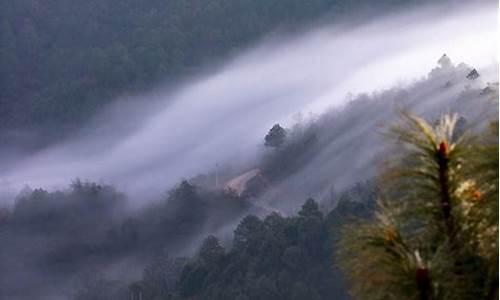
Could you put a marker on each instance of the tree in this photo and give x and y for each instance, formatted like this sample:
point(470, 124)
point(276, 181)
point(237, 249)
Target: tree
point(248, 231)
point(276, 136)
point(160, 278)
point(435, 231)
point(312, 232)
point(445, 61)
point(184, 210)
point(211, 252)
point(274, 258)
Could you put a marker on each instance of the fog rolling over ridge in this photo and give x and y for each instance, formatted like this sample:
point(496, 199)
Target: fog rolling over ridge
point(223, 116)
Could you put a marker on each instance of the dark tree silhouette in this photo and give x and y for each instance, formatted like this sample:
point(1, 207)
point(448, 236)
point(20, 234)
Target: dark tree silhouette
point(276, 136)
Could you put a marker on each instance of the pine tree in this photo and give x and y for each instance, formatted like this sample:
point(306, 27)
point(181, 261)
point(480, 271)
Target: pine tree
point(435, 231)
point(275, 137)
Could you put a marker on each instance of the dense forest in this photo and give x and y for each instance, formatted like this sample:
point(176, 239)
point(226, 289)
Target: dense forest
point(390, 193)
point(89, 240)
point(86, 230)
point(87, 227)
point(271, 258)
point(62, 61)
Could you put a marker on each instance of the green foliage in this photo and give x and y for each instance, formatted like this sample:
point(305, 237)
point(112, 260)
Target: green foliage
point(291, 150)
point(211, 252)
point(273, 258)
point(65, 233)
point(61, 212)
point(160, 277)
point(435, 231)
point(61, 61)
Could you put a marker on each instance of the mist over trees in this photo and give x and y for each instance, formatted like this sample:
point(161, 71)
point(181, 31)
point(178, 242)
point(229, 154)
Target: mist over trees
point(88, 228)
point(88, 244)
point(339, 147)
point(422, 237)
point(392, 194)
point(64, 61)
point(273, 257)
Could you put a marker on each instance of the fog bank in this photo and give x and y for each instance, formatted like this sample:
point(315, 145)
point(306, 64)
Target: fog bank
point(223, 116)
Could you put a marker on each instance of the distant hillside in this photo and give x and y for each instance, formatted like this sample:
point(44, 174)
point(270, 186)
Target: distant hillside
point(342, 146)
point(87, 228)
point(60, 61)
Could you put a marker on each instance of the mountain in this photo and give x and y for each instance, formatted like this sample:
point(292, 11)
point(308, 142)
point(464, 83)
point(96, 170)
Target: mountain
point(239, 149)
point(63, 61)
point(88, 229)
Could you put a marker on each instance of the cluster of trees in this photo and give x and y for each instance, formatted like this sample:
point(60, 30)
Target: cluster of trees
point(88, 227)
point(426, 229)
point(274, 257)
point(78, 234)
point(310, 157)
point(290, 150)
point(433, 235)
point(63, 60)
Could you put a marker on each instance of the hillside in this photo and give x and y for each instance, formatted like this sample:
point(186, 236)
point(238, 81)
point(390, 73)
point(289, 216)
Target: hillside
point(62, 61)
point(249, 150)
point(88, 228)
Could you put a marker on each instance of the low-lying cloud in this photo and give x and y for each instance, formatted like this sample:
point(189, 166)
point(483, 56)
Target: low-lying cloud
point(223, 116)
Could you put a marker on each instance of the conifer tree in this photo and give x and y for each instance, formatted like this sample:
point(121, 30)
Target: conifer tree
point(275, 137)
point(435, 232)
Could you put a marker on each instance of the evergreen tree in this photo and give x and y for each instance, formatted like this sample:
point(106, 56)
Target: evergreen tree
point(276, 136)
point(435, 231)
point(211, 252)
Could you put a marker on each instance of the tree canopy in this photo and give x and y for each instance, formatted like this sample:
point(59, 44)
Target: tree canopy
point(275, 137)
point(61, 61)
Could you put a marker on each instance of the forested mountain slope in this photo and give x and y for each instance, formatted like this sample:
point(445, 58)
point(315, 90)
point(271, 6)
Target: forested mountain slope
point(183, 194)
point(61, 61)
point(86, 229)
point(331, 151)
